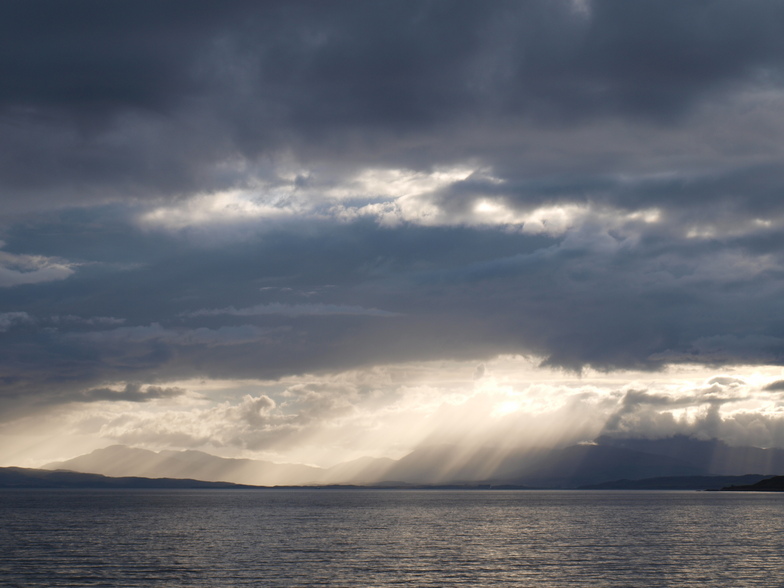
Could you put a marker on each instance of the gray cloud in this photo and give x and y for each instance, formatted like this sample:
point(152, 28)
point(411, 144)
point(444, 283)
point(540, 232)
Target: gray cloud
point(16, 270)
point(133, 392)
point(129, 99)
point(650, 414)
point(276, 308)
point(154, 333)
point(620, 206)
point(9, 319)
point(585, 298)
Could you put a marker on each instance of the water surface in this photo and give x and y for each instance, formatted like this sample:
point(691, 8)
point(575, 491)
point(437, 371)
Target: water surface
point(390, 538)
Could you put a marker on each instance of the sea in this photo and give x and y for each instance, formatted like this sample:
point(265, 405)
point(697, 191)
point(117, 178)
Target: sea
point(328, 537)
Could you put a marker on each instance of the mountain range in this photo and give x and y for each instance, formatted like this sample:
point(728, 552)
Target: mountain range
point(33, 478)
point(119, 460)
point(606, 460)
point(712, 456)
point(774, 484)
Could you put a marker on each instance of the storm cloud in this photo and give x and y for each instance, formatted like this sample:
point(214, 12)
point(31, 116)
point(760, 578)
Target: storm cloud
point(262, 190)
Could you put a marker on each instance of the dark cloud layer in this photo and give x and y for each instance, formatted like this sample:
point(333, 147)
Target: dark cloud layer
point(111, 100)
point(647, 135)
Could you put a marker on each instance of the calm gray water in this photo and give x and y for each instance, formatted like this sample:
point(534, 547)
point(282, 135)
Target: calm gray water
point(390, 538)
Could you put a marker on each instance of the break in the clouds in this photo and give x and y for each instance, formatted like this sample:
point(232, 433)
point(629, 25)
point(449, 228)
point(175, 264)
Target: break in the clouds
point(505, 403)
point(257, 191)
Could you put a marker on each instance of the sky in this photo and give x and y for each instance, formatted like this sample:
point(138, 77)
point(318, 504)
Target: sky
point(312, 231)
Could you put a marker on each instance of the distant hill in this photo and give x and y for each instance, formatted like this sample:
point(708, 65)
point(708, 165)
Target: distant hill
point(677, 483)
point(587, 464)
point(714, 457)
point(119, 460)
point(365, 470)
point(23, 478)
point(567, 467)
point(774, 484)
point(34, 478)
point(608, 460)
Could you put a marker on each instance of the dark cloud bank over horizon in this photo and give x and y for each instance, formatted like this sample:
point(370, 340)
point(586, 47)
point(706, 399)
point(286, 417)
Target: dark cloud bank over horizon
point(261, 189)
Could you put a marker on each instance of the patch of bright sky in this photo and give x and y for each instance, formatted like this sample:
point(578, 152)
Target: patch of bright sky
point(383, 411)
point(731, 228)
point(392, 196)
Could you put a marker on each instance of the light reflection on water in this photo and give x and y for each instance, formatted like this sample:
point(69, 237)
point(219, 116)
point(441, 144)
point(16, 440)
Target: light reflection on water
point(388, 538)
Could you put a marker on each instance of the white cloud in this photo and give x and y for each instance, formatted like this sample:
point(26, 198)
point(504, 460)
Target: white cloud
point(222, 208)
point(389, 410)
point(18, 269)
point(391, 196)
point(282, 194)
